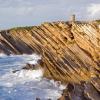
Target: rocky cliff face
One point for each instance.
(70, 51)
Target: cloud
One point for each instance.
(33, 12)
(94, 10)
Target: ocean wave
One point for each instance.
(20, 77)
(25, 84)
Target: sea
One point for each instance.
(25, 84)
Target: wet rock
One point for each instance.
(65, 95)
(70, 87)
(82, 91)
(38, 99)
(29, 67)
(14, 71)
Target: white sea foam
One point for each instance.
(2, 55)
(31, 85)
(9, 79)
(18, 61)
(26, 84)
(20, 77)
(31, 59)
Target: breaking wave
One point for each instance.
(25, 84)
(20, 77)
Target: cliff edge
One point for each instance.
(70, 50)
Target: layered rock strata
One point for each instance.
(70, 51)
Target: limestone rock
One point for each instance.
(70, 51)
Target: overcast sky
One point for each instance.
(15, 13)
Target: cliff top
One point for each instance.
(96, 22)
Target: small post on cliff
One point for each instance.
(73, 18)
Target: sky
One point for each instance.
(14, 13)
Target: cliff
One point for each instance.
(70, 51)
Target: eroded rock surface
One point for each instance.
(70, 51)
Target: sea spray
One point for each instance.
(25, 84)
(20, 77)
(30, 74)
(2, 55)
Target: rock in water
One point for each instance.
(29, 67)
